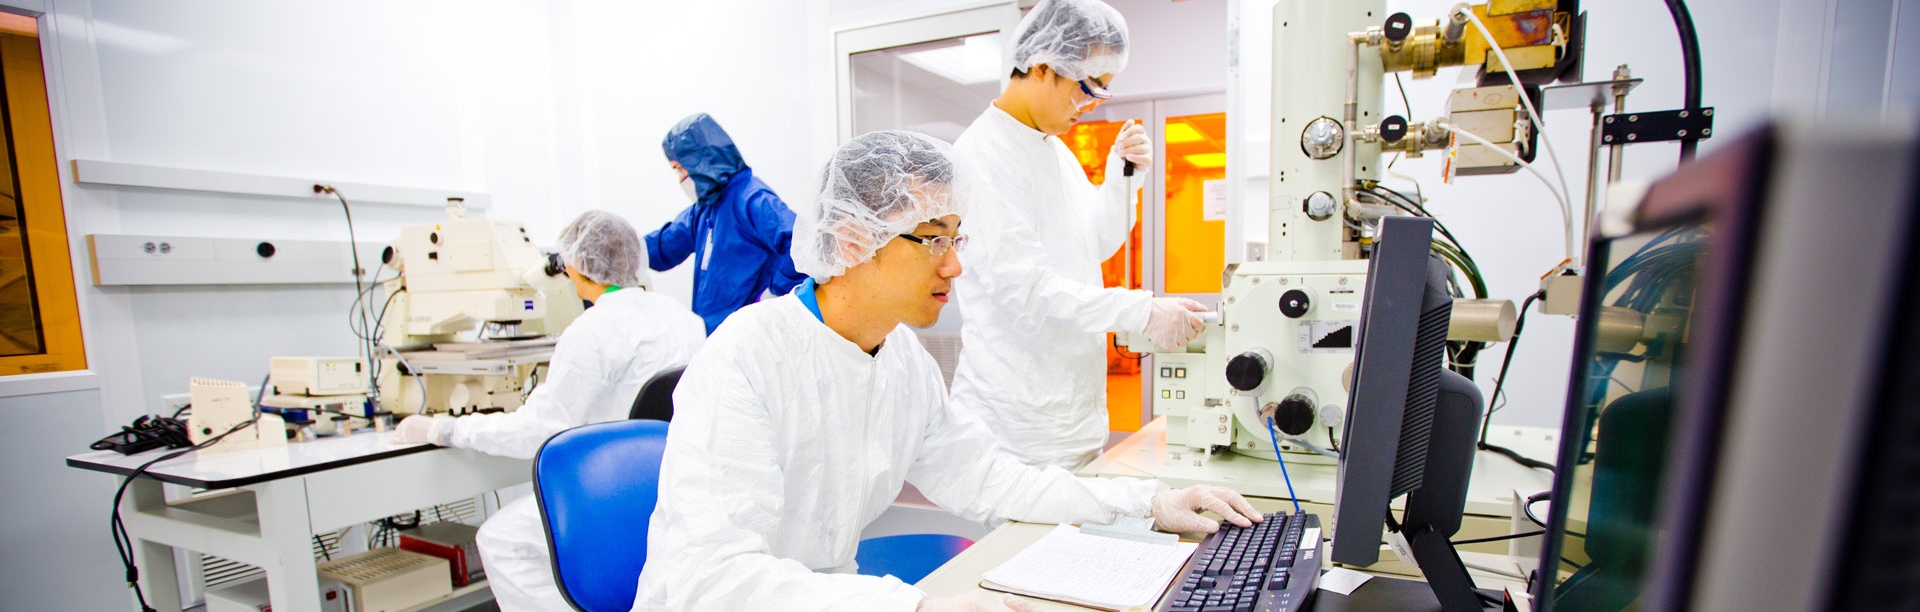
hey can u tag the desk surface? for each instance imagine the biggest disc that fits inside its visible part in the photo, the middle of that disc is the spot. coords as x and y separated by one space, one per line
236 468
1489 491
962 573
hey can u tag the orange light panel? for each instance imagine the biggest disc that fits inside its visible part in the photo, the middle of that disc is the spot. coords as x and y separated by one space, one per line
1179 133
1207 160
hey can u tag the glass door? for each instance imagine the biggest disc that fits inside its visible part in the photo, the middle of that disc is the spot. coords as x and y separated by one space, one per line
936 87
1178 247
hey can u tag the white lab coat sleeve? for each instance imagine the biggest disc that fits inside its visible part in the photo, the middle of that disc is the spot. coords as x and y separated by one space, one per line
1114 213
721 495
961 469
577 377
1008 262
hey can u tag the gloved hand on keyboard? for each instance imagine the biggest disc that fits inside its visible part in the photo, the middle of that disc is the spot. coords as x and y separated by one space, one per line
1178 510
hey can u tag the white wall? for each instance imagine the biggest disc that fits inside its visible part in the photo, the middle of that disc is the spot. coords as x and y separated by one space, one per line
1177 48
453 94
549 107
626 72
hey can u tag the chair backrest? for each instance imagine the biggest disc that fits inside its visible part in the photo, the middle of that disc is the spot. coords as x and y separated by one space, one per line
596 486
655 400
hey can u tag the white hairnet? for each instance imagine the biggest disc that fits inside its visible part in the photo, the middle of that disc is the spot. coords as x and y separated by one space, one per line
1075 38
605 249
878 186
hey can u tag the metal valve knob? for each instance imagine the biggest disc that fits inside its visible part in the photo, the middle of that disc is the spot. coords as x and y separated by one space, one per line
1247 370
1295 414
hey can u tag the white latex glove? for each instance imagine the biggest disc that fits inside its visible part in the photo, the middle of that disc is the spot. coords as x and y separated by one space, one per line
422 428
975 601
1132 145
1172 323
1178 510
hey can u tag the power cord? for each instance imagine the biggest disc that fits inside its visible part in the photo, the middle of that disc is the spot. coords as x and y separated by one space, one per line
1495 402
117 528
367 350
122 542
1690 59
1510 536
1274 435
146 433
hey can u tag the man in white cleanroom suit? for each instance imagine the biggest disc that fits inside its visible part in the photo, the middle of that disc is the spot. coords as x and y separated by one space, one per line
815 407
1033 342
598 366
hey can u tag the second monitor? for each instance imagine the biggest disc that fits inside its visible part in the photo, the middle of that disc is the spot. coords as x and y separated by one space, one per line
1411 421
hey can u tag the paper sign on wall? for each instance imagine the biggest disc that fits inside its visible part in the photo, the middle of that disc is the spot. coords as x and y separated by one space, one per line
1215 195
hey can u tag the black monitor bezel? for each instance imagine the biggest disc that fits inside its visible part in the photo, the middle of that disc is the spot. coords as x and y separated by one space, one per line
1397 385
1725 189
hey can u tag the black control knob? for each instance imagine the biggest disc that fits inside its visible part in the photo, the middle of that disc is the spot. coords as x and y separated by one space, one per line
1295 303
264 250
1393 128
1247 370
387 255
1398 27
1294 415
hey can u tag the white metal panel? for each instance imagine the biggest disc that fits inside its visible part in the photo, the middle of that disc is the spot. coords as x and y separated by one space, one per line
185 260
364 492
97 172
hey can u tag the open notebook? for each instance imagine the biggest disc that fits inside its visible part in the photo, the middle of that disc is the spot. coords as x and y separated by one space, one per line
1091 570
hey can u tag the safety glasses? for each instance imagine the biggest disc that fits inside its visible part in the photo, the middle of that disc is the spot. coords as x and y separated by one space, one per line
1096 95
938 245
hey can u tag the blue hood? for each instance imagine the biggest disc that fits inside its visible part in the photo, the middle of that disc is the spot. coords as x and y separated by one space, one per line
699 145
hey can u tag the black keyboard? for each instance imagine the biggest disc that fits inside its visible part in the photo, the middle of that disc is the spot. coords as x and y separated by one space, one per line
1263 568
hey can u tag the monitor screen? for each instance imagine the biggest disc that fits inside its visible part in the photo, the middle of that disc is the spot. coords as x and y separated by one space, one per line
1629 372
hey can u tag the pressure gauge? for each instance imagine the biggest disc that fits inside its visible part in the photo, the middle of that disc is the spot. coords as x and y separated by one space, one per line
1323 138
1320 206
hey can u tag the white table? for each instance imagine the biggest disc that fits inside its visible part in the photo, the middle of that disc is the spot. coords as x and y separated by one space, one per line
962 573
280 497
1489 491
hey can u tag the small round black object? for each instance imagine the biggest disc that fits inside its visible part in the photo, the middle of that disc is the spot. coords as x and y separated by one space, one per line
1399 27
433 237
1294 416
386 255
1393 128
264 249
1245 371
1295 303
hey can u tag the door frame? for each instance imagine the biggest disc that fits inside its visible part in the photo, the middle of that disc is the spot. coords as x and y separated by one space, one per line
985 18
1154 112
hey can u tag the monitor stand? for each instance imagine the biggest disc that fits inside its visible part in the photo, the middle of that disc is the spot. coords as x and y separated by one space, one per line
1434 510
1382 593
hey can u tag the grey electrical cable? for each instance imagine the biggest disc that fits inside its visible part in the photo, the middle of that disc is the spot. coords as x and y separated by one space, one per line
1315 448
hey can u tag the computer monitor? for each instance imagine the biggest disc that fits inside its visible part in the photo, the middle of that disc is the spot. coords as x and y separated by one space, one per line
1741 424
1411 422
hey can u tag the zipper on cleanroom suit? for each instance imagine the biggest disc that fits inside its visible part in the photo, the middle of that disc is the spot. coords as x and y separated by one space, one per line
706 254
866 427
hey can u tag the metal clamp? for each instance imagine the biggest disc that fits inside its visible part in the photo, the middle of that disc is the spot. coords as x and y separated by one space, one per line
1657 126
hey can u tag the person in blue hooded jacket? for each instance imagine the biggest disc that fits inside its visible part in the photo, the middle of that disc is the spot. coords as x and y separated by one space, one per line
738 231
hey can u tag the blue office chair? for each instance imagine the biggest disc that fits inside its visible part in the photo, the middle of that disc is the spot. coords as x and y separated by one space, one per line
595 484
908 557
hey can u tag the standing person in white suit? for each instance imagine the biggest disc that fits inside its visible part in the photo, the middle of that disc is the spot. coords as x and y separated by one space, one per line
1033 342
597 370
816 406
